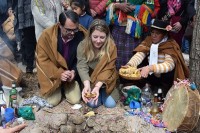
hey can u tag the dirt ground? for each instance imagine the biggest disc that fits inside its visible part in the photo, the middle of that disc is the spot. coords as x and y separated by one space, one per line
64 119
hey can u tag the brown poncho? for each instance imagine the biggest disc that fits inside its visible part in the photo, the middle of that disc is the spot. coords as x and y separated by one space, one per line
171 48
105 71
50 63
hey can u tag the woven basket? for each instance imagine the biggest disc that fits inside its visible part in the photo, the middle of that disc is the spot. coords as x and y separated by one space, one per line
130 75
130 78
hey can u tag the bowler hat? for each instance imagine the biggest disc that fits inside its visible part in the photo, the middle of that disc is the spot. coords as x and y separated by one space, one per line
159 24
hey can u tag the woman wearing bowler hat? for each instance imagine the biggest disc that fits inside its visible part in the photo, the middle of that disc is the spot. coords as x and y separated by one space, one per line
159 58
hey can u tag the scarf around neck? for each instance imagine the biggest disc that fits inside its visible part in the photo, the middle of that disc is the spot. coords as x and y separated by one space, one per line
153 58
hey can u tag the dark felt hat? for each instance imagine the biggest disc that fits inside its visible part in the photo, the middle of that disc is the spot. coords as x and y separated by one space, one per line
159 24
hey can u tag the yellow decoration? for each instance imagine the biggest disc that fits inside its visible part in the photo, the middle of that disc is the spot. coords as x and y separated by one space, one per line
89 114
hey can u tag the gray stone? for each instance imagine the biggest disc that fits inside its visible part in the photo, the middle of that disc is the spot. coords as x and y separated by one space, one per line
33 127
51 120
83 126
78 129
39 130
92 131
78 119
97 128
67 129
90 122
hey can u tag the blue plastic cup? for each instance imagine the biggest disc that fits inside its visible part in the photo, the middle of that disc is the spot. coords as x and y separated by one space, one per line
9 114
134 104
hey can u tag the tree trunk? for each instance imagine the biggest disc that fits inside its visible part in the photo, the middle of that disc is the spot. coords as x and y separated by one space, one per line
195 51
195 57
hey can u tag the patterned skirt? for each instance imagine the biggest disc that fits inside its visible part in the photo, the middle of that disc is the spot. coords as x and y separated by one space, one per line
125 45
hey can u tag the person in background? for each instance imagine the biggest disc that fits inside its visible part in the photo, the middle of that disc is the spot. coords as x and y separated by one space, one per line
96 56
159 58
45 13
5 12
79 6
129 21
98 8
187 40
25 24
56 60
175 12
66 4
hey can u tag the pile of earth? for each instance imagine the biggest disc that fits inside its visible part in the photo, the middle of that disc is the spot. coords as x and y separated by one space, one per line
64 119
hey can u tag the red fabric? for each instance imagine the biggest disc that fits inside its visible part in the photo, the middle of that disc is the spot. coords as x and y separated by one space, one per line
99 6
122 17
142 10
177 36
156 8
173 6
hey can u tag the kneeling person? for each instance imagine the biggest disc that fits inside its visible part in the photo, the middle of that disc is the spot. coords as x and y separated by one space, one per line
56 60
97 55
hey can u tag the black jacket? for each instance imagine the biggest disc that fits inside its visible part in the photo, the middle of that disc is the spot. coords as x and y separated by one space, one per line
191 11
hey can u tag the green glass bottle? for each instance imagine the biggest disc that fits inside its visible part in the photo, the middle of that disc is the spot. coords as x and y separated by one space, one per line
13 95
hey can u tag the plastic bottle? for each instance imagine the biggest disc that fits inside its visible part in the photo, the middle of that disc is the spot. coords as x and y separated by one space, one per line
160 95
2 101
3 123
146 96
146 93
2 108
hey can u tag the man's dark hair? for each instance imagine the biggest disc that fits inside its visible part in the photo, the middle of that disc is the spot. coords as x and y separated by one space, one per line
69 14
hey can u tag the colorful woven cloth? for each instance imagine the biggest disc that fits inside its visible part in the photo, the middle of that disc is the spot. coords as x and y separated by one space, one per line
135 20
125 45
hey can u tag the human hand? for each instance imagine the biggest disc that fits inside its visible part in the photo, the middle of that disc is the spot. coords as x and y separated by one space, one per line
72 75
125 66
177 26
65 4
165 18
13 129
96 91
132 7
192 24
144 71
125 7
66 75
85 90
93 13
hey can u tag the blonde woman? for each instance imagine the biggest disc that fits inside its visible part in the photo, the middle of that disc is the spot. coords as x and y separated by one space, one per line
96 56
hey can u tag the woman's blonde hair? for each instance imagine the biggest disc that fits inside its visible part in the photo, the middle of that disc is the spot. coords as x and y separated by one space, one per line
101 26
